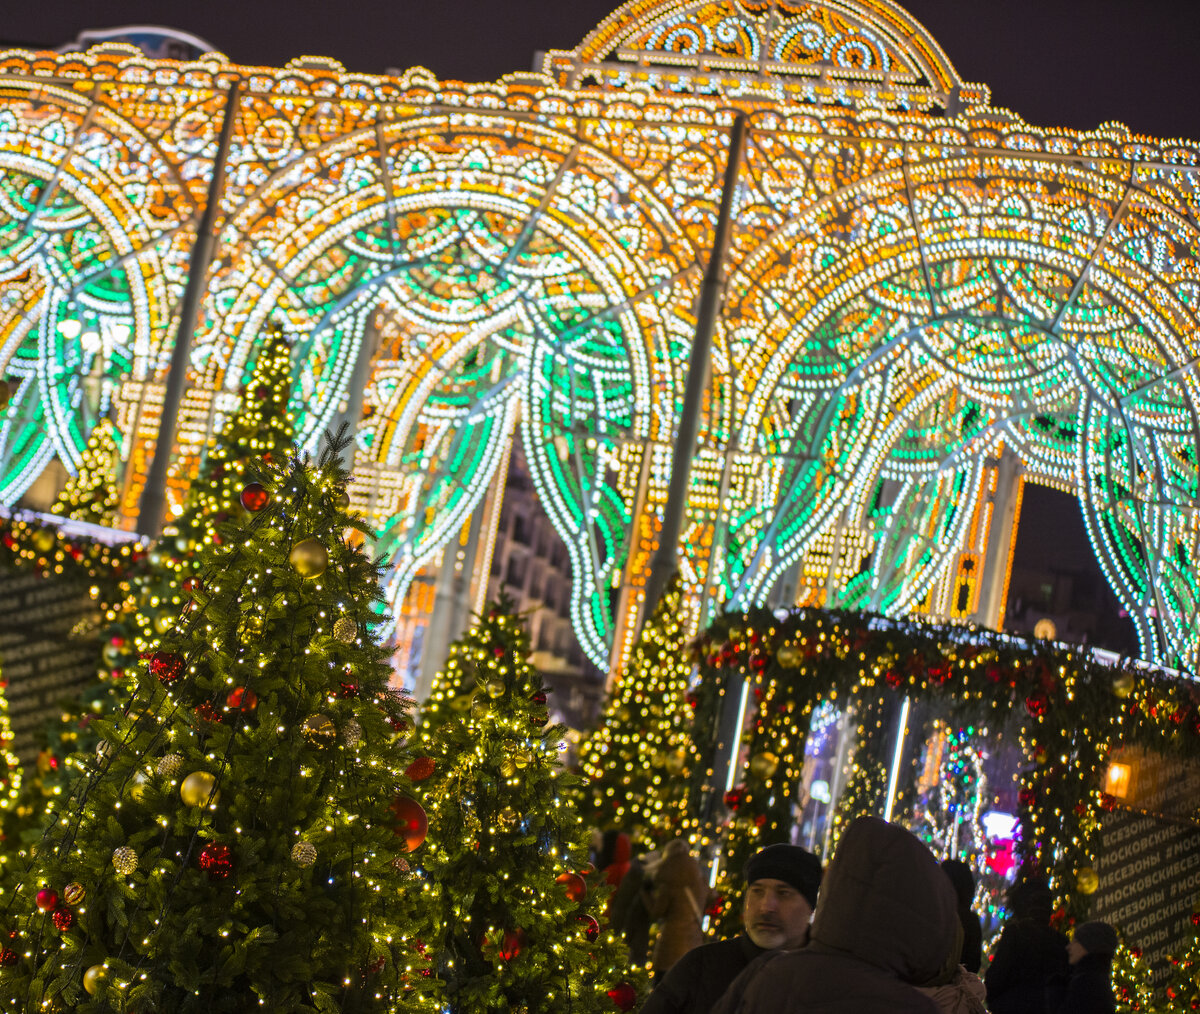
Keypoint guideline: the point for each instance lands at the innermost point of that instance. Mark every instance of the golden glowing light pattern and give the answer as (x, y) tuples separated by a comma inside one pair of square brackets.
[(89, 495), (917, 281)]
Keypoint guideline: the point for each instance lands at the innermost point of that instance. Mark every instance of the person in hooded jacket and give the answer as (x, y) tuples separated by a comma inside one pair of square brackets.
[(885, 923), (1090, 954), (1029, 956)]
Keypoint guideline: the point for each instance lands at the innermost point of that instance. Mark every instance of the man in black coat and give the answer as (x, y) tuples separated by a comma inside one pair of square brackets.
[(1030, 957), (781, 893), (1089, 988)]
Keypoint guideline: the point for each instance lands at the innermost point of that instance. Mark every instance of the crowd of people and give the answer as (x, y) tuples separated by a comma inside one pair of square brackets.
[(885, 929)]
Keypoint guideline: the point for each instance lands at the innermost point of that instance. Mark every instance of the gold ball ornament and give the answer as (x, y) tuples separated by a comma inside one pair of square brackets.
[(341, 500), (345, 629), (43, 539), (1122, 684), (764, 764), (138, 785), (507, 817), (199, 789), (93, 979), (495, 688), (508, 767), (304, 853), (522, 758), (319, 730), (163, 622), (169, 765), (1086, 880), (352, 732), (309, 558), (125, 861), (480, 706), (789, 656), (73, 893), (252, 626)]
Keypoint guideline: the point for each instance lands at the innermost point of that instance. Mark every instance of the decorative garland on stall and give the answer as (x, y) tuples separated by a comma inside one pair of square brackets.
[(1073, 711)]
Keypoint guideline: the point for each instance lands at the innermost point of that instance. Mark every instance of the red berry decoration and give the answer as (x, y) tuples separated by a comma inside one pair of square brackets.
[(47, 899), (216, 859), (63, 918), (242, 699), (573, 885), (8, 957), (209, 712), (166, 666), (591, 928), (347, 690), (411, 823), (623, 995), (254, 498), (420, 769)]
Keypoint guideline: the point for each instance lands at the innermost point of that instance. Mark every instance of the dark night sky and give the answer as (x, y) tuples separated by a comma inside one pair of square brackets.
[(1073, 63)]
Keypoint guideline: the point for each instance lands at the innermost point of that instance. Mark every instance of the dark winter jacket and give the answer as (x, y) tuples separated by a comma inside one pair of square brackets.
[(1029, 957), (885, 922), (629, 915), (679, 898), (698, 979), (1089, 988), (972, 948)]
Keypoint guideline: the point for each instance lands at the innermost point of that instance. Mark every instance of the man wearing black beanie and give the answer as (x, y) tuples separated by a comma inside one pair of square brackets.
[(781, 893)]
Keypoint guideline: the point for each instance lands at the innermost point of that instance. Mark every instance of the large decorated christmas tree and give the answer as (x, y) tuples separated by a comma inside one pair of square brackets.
[(236, 846), (1182, 988), (637, 760), (521, 919), (91, 494)]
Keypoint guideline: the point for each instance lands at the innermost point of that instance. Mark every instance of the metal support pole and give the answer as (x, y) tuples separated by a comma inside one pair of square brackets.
[(154, 496), (666, 557)]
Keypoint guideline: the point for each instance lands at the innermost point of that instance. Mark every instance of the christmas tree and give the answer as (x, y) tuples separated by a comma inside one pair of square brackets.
[(637, 760), (521, 920), (236, 845), (1182, 987), (91, 494), (1131, 977)]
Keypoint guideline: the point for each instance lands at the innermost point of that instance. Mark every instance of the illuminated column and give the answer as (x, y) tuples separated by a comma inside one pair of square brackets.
[(1001, 537), (154, 496)]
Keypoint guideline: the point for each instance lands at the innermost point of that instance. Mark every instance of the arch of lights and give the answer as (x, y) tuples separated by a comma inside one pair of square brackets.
[(919, 285)]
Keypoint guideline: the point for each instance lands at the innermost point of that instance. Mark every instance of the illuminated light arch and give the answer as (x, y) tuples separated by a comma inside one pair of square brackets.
[(500, 291), (91, 259)]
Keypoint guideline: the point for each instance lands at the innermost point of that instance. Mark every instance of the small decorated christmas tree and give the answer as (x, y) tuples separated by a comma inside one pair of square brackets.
[(236, 845), (1131, 980), (636, 762), (521, 919), (91, 494), (1182, 988)]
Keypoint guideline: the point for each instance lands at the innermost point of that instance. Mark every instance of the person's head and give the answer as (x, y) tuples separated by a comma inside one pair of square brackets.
[(781, 893), (961, 879), (1092, 938), (1031, 899)]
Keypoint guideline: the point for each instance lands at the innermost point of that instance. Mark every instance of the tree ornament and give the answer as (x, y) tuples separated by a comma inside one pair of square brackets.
[(63, 918), (319, 730), (341, 500), (1086, 880), (763, 765), (623, 996), (73, 893), (254, 497), (522, 759), (345, 629), (252, 626), (169, 765), (507, 817), (1036, 705), (166, 666), (199, 789), (242, 699), (507, 767), (480, 706), (8, 957), (400, 864), (789, 656), (591, 928), (352, 732), (93, 979), (43, 539), (573, 885), (1122, 684), (104, 750), (734, 797), (46, 899), (309, 558), (495, 688), (125, 860), (420, 769), (216, 859), (347, 690), (411, 822), (304, 854), (139, 785), (511, 944)]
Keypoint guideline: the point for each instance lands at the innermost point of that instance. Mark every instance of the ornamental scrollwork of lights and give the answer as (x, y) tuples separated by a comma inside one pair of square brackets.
[(927, 302)]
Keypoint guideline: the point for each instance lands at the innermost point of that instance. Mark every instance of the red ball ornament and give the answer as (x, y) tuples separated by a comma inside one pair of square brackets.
[(1196, 918), (47, 899), (347, 690), (242, 699), (733, 798), (539, 697), (512, 944), (216, 859), (166, 666), (1036, 705), (420, 769), (63, 918), (573, 885), (591, 928), (623, 996), (411, 823), (254, 498)]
